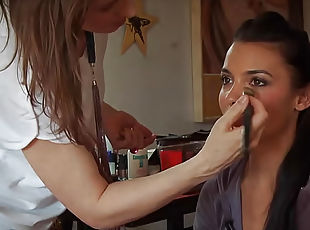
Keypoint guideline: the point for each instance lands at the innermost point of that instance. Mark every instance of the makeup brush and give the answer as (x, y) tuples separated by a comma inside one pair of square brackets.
[(247, 117)]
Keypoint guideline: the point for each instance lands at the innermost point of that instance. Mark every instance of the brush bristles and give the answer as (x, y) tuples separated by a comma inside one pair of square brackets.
[(248, 91)]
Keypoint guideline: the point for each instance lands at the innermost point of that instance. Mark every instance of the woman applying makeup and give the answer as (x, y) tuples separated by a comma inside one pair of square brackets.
[(47, 123), (270, 189)]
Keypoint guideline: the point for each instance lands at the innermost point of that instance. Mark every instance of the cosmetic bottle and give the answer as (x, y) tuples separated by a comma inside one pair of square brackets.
[(122, 167)]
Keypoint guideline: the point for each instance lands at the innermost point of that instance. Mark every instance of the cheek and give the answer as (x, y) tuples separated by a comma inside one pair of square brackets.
[(269, 100), (222, 102), (103, 21), (95, 18), (280, 109), (275, 101)]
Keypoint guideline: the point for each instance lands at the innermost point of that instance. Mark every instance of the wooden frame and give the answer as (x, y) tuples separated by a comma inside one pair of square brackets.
[(197, 60), (204, 107)]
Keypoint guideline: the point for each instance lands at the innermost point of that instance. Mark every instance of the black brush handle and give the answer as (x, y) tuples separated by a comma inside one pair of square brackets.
[(247, 117), (102, 148), (90, 46)]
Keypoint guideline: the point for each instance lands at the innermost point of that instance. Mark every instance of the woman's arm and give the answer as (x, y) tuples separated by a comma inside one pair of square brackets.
[(206, 215), (70, 172)]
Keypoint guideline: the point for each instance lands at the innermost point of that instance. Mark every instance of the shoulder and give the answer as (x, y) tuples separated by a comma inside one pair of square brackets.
[(303, 207), (304, 195), (216, 186), (20, 121), (17, 121), (220, 183), (210, 208)]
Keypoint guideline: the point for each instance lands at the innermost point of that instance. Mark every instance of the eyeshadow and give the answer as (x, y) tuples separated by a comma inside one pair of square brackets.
[(248, 91)]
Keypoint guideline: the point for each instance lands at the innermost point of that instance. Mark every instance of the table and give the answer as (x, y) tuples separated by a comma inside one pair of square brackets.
[(172, 212)]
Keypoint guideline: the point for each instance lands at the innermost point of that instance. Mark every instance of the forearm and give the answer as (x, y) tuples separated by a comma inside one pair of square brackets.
[(70, 172), (125, 201)]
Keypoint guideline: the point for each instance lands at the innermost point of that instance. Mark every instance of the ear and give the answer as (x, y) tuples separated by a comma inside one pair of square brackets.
[(303, 99)]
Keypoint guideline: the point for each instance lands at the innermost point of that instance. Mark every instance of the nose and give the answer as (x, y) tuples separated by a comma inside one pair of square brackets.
[(129, 9), (234, 93)]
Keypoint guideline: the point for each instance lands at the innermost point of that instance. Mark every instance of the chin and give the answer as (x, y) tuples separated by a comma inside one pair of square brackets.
[(114, 29), (108, 30), (116, 26)]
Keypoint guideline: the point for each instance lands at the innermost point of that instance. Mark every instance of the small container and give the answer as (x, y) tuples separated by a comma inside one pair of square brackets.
[(171, 155), (137, 164), (112, 162), (122, 167)]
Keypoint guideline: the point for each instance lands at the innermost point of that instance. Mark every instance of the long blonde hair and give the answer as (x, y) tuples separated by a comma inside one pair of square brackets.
[(46, 41)]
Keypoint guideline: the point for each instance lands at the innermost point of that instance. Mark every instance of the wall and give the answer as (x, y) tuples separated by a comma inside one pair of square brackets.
[(156, 89)]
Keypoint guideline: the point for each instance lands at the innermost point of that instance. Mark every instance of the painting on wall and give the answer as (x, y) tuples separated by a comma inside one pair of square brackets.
[(137, 27), (221, 18), (214, 23)]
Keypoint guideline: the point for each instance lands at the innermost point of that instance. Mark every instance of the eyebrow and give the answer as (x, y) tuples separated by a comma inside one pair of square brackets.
[(224, 70), (249, 72)]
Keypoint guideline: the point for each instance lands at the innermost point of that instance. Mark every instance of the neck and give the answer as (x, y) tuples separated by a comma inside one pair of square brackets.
[(266, 158)]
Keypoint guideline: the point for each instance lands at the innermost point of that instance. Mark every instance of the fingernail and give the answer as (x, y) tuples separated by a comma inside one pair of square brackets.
[(242, 131), (243, 99)]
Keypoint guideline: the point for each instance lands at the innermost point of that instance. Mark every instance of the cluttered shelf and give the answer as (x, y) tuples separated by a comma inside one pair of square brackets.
[(172, 150)]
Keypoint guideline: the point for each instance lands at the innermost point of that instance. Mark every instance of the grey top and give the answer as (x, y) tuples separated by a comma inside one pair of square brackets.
[(219, 204)]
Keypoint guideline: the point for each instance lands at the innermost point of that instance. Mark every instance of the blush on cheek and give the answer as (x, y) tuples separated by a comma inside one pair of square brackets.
[(277, 104), (272, 99)]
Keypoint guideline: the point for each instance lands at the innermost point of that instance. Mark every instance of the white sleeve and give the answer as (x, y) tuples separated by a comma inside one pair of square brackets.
[(20, 122)]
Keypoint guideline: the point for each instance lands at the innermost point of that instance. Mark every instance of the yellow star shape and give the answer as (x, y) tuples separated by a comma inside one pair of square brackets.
[(137, 28)]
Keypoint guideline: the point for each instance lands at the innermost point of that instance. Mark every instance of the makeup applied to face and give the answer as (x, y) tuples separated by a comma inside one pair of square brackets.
[(106, 16), (260, 67)]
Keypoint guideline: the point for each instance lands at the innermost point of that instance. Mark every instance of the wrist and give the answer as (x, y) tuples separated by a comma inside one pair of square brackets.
[(201, 168), (197, 171)]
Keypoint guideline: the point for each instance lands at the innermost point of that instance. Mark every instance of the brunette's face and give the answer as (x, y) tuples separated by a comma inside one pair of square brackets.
[(106, 16), (261, 67)]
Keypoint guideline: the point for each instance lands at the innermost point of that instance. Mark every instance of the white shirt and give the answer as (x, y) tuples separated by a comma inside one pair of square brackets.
[(25, 202)]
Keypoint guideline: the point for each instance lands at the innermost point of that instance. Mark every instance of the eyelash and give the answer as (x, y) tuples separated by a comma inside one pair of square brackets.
[(258, 82), (224, 79), (255, 81)]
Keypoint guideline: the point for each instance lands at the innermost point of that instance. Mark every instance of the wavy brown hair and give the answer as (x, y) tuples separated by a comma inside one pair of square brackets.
[(47, 34)]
